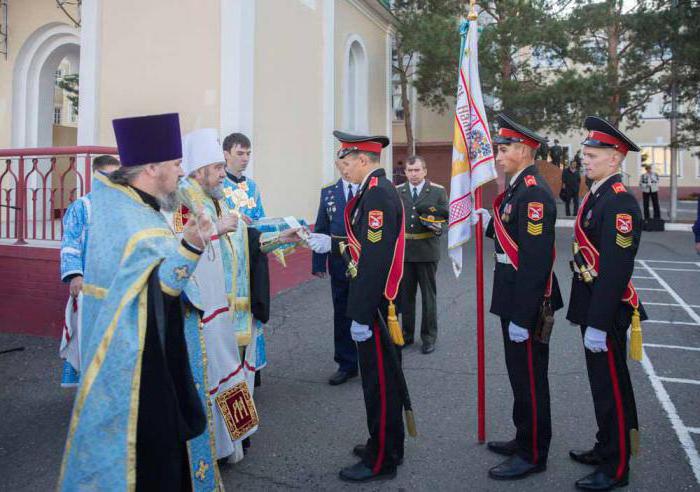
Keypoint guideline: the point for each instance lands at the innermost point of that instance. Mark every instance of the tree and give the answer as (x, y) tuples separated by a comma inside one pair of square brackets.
[(70, 84), (426, 30)]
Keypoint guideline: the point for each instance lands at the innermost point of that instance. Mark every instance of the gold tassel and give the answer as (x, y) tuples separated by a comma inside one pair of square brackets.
[(634, 442), (636, 337), (410, 423), (394, 327)]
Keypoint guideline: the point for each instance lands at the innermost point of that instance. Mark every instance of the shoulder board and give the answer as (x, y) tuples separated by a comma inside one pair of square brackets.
[(436, 185), (374, 181), (328, 185), (530, 180), (619, 188), (402, 185)]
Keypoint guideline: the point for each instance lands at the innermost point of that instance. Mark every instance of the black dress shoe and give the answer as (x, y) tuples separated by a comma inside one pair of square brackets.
[(590, 457), (341, 377), (428, 348), (506, 448), (515, 468), (360, 473), (600, 481), (407, 341), (359, 451), (222, 461)]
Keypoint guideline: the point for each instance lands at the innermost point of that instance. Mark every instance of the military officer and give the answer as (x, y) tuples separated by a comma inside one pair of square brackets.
[(524, 290), (426, 209), (330, 223), (374, 226), (604, 302)]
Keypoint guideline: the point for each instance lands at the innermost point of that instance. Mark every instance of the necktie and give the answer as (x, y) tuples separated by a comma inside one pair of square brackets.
[(415, 193), (350, 194)]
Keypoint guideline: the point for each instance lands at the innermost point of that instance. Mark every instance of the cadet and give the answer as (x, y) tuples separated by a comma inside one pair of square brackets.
[(607, 233), (426, 209), (375, 230), (330, 223), (525, 293)]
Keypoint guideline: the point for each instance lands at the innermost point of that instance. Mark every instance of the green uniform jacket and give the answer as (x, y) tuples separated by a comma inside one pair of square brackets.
[(422, 244)]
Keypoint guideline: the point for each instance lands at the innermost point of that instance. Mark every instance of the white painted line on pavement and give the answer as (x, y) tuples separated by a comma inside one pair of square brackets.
[(673, 304), (681, 430), (651, 288), (693, 315), (679, 380), (693, 430), (669, 261), (678, 347), (663, 322), (642, 277), (678, 227), (695, 270)]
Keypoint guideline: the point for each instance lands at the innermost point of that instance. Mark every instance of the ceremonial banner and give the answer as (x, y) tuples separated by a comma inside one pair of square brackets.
[(472, 153)]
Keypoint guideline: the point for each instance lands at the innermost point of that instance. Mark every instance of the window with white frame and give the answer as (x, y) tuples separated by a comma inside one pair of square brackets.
[(659, 156), (57, 115), (397, 104), (356, 89), (57, 76)]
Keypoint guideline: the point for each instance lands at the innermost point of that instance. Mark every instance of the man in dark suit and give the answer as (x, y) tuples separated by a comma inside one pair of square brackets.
[(570, 184), (423, 232), (330, 223), (604, 302), (523, 284), (374, 226)]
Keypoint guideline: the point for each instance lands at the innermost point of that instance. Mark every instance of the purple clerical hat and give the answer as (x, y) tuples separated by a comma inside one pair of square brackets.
[(148, 139)]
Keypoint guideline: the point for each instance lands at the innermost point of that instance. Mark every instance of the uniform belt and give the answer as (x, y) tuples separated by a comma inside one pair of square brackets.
[(420, 235), (502, 258)]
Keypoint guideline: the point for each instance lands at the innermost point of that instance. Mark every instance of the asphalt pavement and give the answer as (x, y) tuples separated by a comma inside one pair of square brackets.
[(308, 428)]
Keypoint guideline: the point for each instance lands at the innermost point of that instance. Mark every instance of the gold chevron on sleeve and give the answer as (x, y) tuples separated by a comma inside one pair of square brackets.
[(622, 241), (534, 229), (374, 236)]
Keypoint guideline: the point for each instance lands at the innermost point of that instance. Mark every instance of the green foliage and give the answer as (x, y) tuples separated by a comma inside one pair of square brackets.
[(70, 84)]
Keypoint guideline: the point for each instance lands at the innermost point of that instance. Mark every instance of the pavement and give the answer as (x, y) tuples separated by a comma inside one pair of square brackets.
[(308, 428)]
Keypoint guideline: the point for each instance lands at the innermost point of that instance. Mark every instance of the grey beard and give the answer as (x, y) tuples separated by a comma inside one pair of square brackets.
[(169, 202), (217, 192)]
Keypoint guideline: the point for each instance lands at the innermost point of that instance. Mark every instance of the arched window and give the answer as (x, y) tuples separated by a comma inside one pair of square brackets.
[(355, 114)]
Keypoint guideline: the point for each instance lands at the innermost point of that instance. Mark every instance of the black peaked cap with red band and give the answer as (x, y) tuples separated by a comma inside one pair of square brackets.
[(359, 143), (511, 132), (602, 134)]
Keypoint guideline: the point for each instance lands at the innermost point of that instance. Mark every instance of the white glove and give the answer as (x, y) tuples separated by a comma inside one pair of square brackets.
[(484, 214), (595, 340), (517, 334), (319, 243), (360, 333)]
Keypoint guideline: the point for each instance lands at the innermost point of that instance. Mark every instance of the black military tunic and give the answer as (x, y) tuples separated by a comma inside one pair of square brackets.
[(528, 213), (376, 223), (611, 220)]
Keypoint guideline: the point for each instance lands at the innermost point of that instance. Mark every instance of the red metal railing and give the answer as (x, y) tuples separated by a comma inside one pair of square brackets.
[(37, 185)]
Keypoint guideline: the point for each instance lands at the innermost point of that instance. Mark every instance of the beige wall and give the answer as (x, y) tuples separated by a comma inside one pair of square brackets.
[(150, 66), (348, 21), (24, 18), (430, 126), (288, 106)]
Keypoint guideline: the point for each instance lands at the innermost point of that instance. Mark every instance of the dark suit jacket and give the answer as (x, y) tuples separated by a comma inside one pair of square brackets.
[(600, 305), (422, 248), (518, 294), (377, 241), (329, 220)]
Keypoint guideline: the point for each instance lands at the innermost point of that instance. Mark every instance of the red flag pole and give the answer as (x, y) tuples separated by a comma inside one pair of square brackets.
[(480, 353)]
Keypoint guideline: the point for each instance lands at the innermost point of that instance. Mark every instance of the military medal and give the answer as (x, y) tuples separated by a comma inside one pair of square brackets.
[(587, 222), (505, 217)]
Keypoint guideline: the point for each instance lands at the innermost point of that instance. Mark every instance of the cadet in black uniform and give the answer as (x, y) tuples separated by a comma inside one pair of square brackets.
[(523, 229), (374, 223), (603, 301)]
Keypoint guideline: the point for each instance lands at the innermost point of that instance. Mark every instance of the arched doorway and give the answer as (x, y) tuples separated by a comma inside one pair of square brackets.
[(34, 95)]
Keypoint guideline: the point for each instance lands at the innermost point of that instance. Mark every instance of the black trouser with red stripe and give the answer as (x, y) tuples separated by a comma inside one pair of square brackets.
[(528, 365), (383, 404), (613, 399)]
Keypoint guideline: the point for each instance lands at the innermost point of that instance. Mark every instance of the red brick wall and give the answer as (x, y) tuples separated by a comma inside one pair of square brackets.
[(34, 299)]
